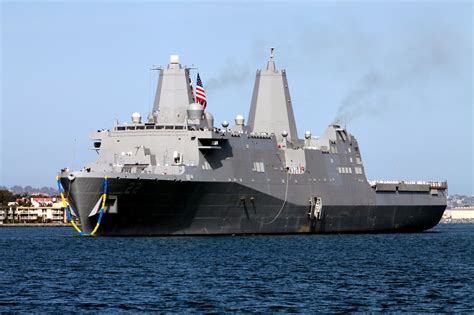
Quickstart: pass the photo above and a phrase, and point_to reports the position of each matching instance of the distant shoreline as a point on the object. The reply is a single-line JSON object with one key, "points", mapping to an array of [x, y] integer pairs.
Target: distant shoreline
{"points": [[456, 221]]}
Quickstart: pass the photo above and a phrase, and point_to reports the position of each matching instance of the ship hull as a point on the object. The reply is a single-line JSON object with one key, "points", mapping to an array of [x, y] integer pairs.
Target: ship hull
{"points": [[163, 207]]}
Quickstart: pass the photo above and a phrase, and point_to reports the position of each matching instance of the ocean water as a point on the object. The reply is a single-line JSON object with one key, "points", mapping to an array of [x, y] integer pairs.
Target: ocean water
{"points": [[55, 270]]}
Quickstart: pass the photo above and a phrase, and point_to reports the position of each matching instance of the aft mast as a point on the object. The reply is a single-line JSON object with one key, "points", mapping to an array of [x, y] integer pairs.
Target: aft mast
{"points": [[271, 109]]}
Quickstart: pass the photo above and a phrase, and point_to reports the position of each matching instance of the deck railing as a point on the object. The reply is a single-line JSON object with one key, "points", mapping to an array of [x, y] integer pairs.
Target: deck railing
{"points": [[432, 184]]}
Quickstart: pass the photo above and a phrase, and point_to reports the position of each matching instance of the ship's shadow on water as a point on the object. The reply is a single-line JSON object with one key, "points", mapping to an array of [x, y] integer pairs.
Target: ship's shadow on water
{"points": [[55, 270]]}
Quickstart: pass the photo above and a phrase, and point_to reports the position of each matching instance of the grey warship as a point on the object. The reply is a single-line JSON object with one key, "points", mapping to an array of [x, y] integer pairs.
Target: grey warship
{"points": [[176, 173]]}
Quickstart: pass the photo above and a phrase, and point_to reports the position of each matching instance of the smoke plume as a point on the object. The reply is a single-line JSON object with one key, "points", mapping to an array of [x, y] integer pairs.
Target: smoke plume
{"points": [[423, 57], [397, 72], [232, 74], [365, 98]]}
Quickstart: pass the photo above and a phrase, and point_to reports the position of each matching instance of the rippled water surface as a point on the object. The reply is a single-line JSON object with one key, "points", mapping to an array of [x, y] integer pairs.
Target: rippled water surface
{"points": [[54, 270]]}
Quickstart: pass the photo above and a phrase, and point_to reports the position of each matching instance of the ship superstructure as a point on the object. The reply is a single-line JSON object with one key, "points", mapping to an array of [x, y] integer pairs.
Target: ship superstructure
{"points": [[176, 173]]}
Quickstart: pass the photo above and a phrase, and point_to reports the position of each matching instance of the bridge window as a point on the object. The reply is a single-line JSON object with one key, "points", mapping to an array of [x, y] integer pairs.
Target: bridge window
{"points": [[344, 170], [258, 167]]}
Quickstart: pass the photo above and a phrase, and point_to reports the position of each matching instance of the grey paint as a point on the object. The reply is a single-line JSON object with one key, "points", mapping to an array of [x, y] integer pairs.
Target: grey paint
{"points": [[184, 176], [271, 110], [173, 95]]}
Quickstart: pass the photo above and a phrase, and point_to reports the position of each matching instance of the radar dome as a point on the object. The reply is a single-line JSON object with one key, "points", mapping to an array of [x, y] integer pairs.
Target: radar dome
{"points": [[239, 120], [307, 134], [194, 111], [174, 59], [284, 133], [225, 124], [136, 118]]}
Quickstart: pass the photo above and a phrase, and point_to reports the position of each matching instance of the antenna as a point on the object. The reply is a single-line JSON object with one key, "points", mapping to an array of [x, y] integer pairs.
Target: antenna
{"points": [[73, 154], [272, 49]]}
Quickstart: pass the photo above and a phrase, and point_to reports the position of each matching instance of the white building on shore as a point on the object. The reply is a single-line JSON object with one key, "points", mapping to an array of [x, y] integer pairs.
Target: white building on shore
{"points": [[38, 210], [460, 214]]}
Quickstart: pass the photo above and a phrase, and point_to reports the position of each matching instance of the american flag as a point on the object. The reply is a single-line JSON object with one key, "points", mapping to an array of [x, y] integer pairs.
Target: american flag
{"points": [[200, 93]]}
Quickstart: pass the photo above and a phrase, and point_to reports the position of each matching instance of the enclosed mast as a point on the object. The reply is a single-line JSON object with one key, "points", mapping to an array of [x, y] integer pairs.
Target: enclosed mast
{"points": [[173, 94], [271, 109]]}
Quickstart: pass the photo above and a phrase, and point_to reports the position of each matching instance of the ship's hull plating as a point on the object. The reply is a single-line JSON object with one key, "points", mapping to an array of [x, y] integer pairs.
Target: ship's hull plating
{"points": [[154, 207]]}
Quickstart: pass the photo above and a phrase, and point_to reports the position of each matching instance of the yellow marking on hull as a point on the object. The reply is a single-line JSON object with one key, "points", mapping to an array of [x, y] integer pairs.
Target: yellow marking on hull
{"points": [[95, 229], [65, 204], [76, 227]]}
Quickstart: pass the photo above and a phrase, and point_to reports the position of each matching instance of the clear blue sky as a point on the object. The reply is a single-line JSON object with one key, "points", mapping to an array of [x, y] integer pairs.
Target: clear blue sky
{"points": [[400, 74]]}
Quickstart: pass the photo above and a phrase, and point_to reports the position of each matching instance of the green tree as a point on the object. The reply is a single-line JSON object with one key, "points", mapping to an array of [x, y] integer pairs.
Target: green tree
{"points": [[5, 197]]}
